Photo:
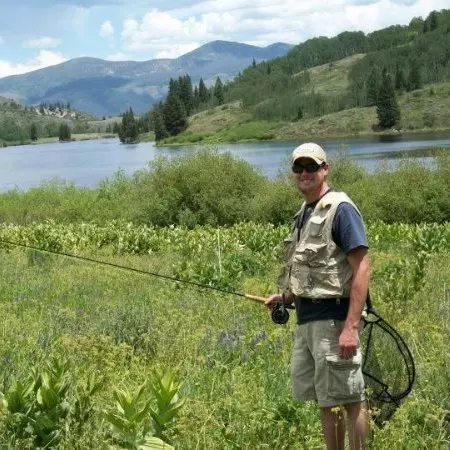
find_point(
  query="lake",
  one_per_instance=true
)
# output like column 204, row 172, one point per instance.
column 86, row 163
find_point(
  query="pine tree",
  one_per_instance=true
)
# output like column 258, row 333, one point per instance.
column 400, row 81
column 203, row 93
column 128, row 130
column 196, row 97
column 218, row 92
column 414, row 77
column 373, row 87
column 158, row 123
column 33, row 132
column 431, row 22
column 174, row 114
column 388, row 111
column 186, row 93
column 64, row 132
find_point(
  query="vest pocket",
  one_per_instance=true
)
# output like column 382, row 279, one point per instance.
column 316, row 225
column 344, row 376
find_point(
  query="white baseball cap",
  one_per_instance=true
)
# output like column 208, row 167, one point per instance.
column 310, row 150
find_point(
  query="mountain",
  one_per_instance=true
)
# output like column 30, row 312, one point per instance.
column 106, row 88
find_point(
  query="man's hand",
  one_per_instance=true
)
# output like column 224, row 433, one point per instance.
column 273, row 300
column 278, row 298
column 348, row 342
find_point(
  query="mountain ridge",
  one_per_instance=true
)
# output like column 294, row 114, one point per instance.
column 102, row 87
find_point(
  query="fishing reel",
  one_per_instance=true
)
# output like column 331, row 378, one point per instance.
column 280, row 313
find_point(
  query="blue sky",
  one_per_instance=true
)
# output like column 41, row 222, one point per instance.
column 39, row 33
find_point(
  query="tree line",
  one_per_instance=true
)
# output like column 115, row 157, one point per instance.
column 169, row 118
column 412, row 56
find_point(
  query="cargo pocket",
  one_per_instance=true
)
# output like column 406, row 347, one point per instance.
column 344, row 377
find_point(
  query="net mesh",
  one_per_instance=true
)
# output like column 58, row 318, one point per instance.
column 388, row 367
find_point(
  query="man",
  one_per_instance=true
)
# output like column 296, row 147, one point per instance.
column 326, row 275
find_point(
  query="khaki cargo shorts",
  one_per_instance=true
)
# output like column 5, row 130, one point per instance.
column 317, row 371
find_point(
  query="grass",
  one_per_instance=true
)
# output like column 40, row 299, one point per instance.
column 233, row 361
column 331, row 79
column 225, row 123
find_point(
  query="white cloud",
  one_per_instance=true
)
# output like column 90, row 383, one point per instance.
column 42, row 42
column 1, row 40
column 176, row 50
column 119, row 56
column 43, row 59
column 107, row 30
column 169, row 36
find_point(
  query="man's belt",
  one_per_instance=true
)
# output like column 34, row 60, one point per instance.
column 337, row 300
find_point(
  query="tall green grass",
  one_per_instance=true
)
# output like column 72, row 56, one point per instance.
column 232, row 359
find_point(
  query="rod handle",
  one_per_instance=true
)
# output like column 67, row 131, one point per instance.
column 256, row 298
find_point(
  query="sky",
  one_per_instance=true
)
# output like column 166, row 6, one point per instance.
column 39, row 33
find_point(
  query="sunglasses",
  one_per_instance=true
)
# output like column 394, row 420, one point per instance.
column 310, row 167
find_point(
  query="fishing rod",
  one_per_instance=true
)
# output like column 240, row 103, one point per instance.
column 280, row 313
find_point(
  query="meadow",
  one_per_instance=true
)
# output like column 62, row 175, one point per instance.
column 97, row 331
column 95, row 356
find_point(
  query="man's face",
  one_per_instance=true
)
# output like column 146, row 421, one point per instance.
column 309, row 182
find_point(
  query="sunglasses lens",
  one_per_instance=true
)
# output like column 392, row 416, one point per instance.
column 310, row 168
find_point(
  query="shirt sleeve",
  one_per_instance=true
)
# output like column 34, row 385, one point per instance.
column 348, row 229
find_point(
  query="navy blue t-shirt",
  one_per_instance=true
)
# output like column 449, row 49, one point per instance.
column 349, row 234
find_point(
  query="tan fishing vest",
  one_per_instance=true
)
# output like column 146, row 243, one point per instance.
column 315, row 267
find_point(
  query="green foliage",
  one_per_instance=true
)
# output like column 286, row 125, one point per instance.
column 175, row 119
column 129, row 129
column 33, row 132
column 388, row 111
column 38, row 408
column 130, row 420
column 64, row 132
column 373, row 86
column 232, row 359
column 209, row 188
column 166, row 391
column 218, row 92
column 200, row 188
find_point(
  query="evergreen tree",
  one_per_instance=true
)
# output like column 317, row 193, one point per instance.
column 158, row 124
column 414, row 77
column 128, row 130
column 203, row 93
column 196, row 97
column 218, row 92
column 400, row 81
column 373, row 87
column 186, row 93
column 174, row 114
column 64, row 132
column 388, row 111
column 33, row 132
column 431, row 22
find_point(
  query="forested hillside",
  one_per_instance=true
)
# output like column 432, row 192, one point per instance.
column 414, row 55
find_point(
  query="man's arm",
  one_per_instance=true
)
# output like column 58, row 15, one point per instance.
column 349, row 338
